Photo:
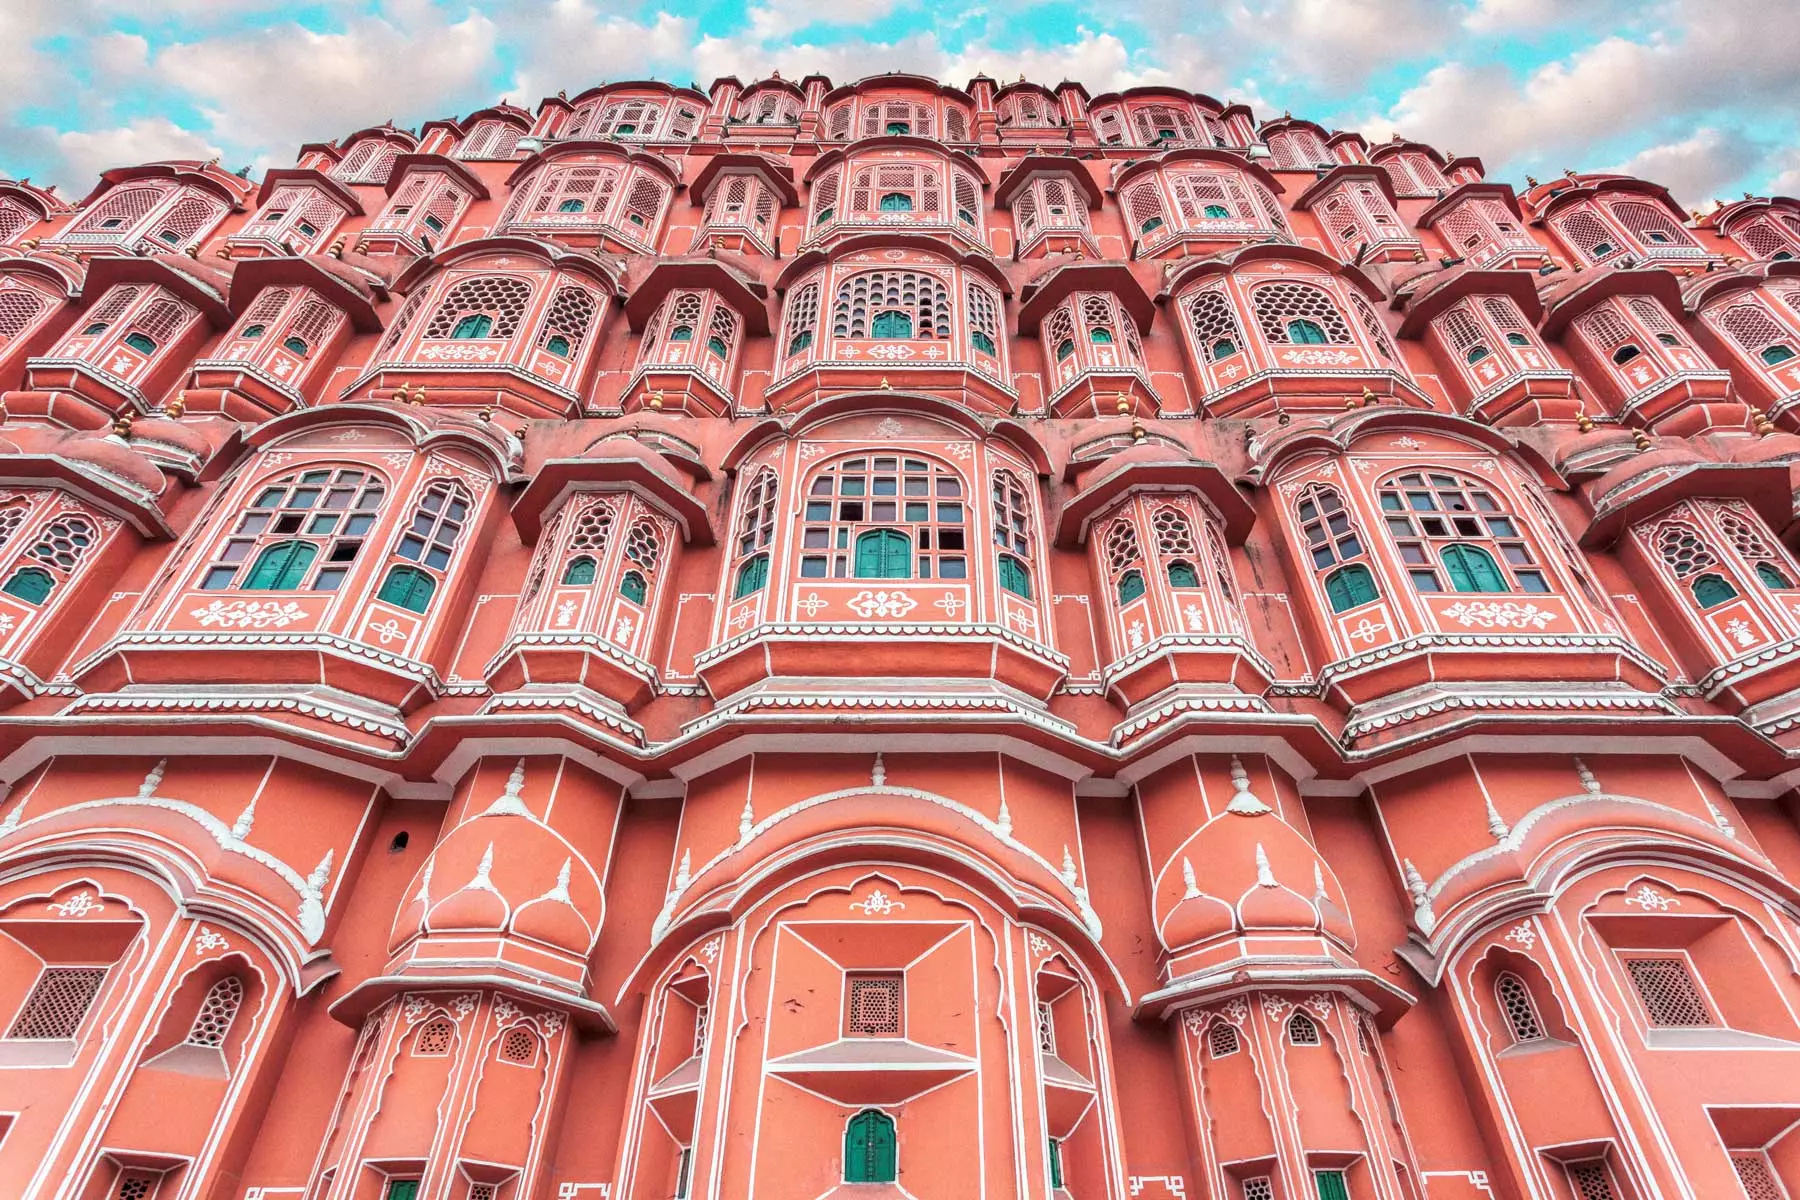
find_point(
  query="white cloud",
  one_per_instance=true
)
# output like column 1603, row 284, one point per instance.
column 1695, row 168
column 82, row 154
column 574, row 44
column 779, row 18
column 1336, row 44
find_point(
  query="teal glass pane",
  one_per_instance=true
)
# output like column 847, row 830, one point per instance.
column 633, row 587
column 1476, row 354
column 1713, row 590
column 981, row 341
column 1770, row 575
column 558, row 345
column 869, row 1148
column 1216, row 211
column 1014, row 577
column 403, row 1189
column 1055, row 1156
column 571, row 206
column 1331, row 1185
column 1151, row 225
column 29, row 584
column 1223, row 348
column 1065, row 349
column 475, row 325
column 1131, row 586
column 892, row 325
column 884, row 554
column 295, row 346
column 896, row 202
column 1777, row 354
column 1348, row 587
column 579, row 571
column 800, row 341
column 140, row 343
column 682, row 333
column 408, row 588
column 1305, row 333
column 753, row 576
column 1183, row 575
column 1100, row 337
column 1472, row 569
column 281, row 567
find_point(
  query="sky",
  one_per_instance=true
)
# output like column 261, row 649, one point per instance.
column 1700, row 95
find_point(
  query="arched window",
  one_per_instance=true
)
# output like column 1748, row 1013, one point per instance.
column 1214, row 324
column 489, row 306
column 436, row 525
column 892, row 304
column 580, row 571
column 30, row 584
column 332, row 511
column 1302, row 1031
column 1688, row 558
column 1143, row 208
column 802, row 319
column 407, row 587
column 568, row 320
column 368, row 161
column 436, row 1038
column 1014, row 576
column 1123, row 559
column 1518, row 1008
column 19, row 311
column 1650, row 225
column 918, row 500
column 212, row 1023
column 633, row 586
column 1222, row 1039
column 869, row 1151
column 643, row 550
column 983, row 318
column 281, row 567
column 756, row 531
column 1455, row 528
column 1298, row 313
column 1012, row 532
column 1713, row 590
column 1332, row 538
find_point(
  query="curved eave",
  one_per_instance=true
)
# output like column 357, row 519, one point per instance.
column 1154, row 91
column 405, row 164
column 64, row 274
column 1285, row 123
column 1585, row 191
column 551, row 254
column 606, row 149
column 1763, row 486
column 311, row 178
column 893, row 141
column 255, row 274
column 1749, row 206
column 1329, row 181
column 747, row 297
column 1563, row 304
column 1079, row 512
column 901, row 80
column 650, row 86
column 355, row 1005
column 1228, row 263
column 1223, row 158
column 777, row 175
column 387, row 133
column 40, row 200
column 203, row 175
column 513, row 115
column 812, row 260
column 137, row 509
column 1023, row 171
column 1469, row 191
column 186, row 280
column 863, row 401
column 1388, row 149
column 482, row 439
column 558, row 477
column 1701, row 289
column 1461, row 281
column 1336, row 434
column 1044, row 293
column 1387, row 1001
column 765, row 85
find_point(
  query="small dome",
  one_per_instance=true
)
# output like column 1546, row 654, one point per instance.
column 1253, row 871
column 110, row 455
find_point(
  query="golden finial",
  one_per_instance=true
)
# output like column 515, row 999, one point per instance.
column 337, row 249
column 121, row 425
column 1531, row 181
column 1583, row 422
column 178, row 406
column 1640, row 439
column 1760, row 419
column 885, row 385
column 1123, row 404
column 1350, row 403
column 1418, row 256
column 486, row 415
column 223, row 252
column 418, row 397
column 1368, row 398
column 1137, row 431
column 192, row 252
column 1748, row 196
column 656, row 401
column 32, row 243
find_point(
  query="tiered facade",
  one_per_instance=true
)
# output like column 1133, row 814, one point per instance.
column 873, row 641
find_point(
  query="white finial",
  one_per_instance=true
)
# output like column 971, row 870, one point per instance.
column 316, row 881
column 1068, row 867
column 1588, row 782
column 878, row 773
column 13, row 816
column 681, row 871
column 1192, row 890
column 1496, row 824
column 508, row 803
column 1004, row 824
column 1242, row 802
column 746, row 823
column 424, row 893
column 1319, row 896
column 1719, row 819
column 312, row 899
column 240, row 828
column 561, row 890
column 153, row 780
column 1264, row 876
column 1420, row 892
column 484, row 871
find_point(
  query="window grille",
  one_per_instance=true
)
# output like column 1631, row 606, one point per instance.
column 190, row 220
column 482, row 1191
column 1606, row 331
column 593, row 528
column 643, row 206
column 1463, row 334
column 290, row 523
column 112, row 306
column 1012, row 514
column 1222, row 1039
column 873, row 1006
column 1109, row 127
column 500, row 298
column 756, row 519
column 1283, row 307
column 1214, row 324
column 11, row 517
column 1591, row 1180
column 1744, row 537
column 1046, row 1026
column 1329, row 531
column 313, row 326
column 1458, row 525
column 1761, row 239
column 1755, row 1177
column 518, row 1045
column 564, row 196
column 134, row 1184
column 1752, row 327
column 984, row 319
column 1174, row 534
column 1143, row 207
column 916, row 305
column 58, row 1002
column 1302, row 1031
column 1164, row 125
column 837, row 122
column 116, row 215
column 566, row 325
column 1589, row 236
column 368, row 161
column 1058, row 337
column 1372, row 326
column 802, row 319
column 19, row 311
column 1518, row 1007
column 1656, row 319
column 825, row 198
column 269, row 304
column 408, row 311
column 1682, row 549
column 160, row 320
column 14, row 220
column 489, row 139
column 1221, row 562
column 435, row 1039
column 1650, row 225
column 217, row 1011
column 1122, row 551
column 642, row 545
column 436, row 526
column 1259, row 1188
column 1669, row 992
column 866, row 517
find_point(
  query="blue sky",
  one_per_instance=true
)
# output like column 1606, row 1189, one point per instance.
column 1701, row 95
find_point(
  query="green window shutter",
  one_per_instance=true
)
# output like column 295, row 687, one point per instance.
column 981, row 341
column 1713, row 590
column 1776, row 355
column 402, row 1189
column 1348, row 587
column 1183, row 575
column 29, row 584
column 558, row 345
column 1331, row 1185
column 475, row 325
column 896, row 202
column 281, row 567
column 752, row 577
column 1771, row 576
column 869, row 1148
column 1305, row 333
column 141, row 343
column 1472, row 569
column 884, row 554
column 1131, row 586
column 1100, row 337
column 891, row 325
column 408, row 587
column 1014, row 577
column 800, row 341
column 579, row 571
column 1216, row 211
column 1055, row 1155
column 633, row 587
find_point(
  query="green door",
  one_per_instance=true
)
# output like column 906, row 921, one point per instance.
column 884, row 554
column 1331, row 1185
column 869, row 1148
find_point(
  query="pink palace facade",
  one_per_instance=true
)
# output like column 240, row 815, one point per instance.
column 887, row 641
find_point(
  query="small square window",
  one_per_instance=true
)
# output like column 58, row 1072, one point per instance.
column 874, row 1004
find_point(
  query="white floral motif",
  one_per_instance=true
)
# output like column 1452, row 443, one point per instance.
column 877, row 903
column 1275, row 1007
column 351, row 435
column 889, row 428
column 866, row 604
column 388, row 630
column 1236, row 1011
column 1038, row 943
column 464, row 1005
column 710, row 951
column 505, row 1010
column 565, row 613
column 1136, row 634
column 623, row 630
column 415, row 1006
column 1196, row 620
column 1406, row 443
column 811, row 605
column 1320, row 358
column 209, row 940
column 1321, row 1004
column 1506, row 614
column 551, row 1022
column 1524, row 934
column 1367, row 631
column 959, row 450
column 1021, row 620
column 250, row 614
column 951, row 603
column 743, row 616
column 811, row 450
column 1193, row 1020
column 6, row 623
column 78, row 905
column 1651, row 900
column 1740, row 632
